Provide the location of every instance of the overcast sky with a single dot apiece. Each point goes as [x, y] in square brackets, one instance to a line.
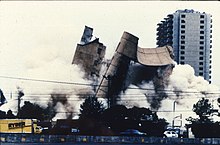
[35, 33]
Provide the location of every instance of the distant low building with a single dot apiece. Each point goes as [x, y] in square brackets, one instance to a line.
[89, 54]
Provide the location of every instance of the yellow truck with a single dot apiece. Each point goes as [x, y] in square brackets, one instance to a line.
[19, 126]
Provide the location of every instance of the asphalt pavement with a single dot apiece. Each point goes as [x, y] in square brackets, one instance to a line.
[71, 143]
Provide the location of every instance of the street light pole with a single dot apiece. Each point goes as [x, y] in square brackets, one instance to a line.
[174, 109]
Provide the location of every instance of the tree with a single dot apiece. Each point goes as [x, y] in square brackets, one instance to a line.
[203, 109]
[120, 118]
[116, 112]
[10, 115]
[90, 116]
[2, 114]
[91, 108]
[203, 126]
[30, 111]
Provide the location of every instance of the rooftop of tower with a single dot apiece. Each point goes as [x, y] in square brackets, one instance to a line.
[188, 11]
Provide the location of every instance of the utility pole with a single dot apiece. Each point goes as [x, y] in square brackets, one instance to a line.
[109, 97]
[174, 109]
[20, 94]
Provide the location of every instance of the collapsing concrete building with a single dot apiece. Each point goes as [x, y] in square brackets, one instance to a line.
[129, 65]
[89, 54]
[118, 75]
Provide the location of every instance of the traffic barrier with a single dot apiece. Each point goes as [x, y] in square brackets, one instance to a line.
[32, 138]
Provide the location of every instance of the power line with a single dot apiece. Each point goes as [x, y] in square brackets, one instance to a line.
[198, 95]
[165, 111]
[78, 99]
[87, 84]
[167, 95]
[45, 81]
[119, 97]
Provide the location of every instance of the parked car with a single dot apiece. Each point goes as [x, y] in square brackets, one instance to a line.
[182, 132]
[169, 133]
[132, 132]
[74, 130]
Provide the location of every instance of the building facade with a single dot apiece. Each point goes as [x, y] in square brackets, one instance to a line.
[89, 54]
[190, 34]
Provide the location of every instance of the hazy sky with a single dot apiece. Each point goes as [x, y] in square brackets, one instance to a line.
[35, 34]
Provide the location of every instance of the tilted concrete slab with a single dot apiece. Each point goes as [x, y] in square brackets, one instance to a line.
[155, 56]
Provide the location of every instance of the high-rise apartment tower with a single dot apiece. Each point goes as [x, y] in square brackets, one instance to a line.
[189, 33]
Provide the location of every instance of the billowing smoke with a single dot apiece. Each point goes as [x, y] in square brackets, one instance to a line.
[188, 82]
[184, 85]
[65, 99]
[152, 82]
[168, 86]
[60, 84]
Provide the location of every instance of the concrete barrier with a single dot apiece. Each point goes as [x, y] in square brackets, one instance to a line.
[32, 138]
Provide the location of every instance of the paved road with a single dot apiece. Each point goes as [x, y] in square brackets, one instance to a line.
[80, 144]
[63, 144]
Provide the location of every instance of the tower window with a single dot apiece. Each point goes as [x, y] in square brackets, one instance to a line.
[200, 68]
[202, 21]
[201, 27]
[201, 32]
[202, 16]
[182, 52]
[99, 51]
[201, 74]
[200, 63]
[182, 21]
[201, 47]
[200, 58]
[183, 16]
[182, 31]
[182, 42]
[201, 42]
[182, 57]
[182, 47]
[96, 63]
[182, 37]
[201, 53]
[201, 37]
[182, 26]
